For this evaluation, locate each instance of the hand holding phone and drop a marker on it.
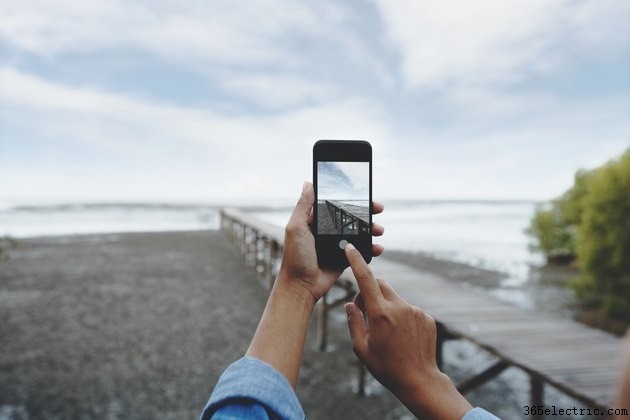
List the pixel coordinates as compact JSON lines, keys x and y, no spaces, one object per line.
{"x":342,"y":177}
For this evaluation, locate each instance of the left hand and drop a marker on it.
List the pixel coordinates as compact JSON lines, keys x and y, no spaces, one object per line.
{"x":300,"y":260}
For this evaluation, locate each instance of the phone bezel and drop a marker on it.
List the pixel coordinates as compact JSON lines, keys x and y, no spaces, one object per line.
{"x":329,"y":255}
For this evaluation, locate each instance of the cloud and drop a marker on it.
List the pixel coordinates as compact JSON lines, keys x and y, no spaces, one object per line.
{"x":279,"y":90}
{"x":231,"y":153}
{"x":262,"y":32}
{"x":448,"y":44}
{"x":459,"y":99}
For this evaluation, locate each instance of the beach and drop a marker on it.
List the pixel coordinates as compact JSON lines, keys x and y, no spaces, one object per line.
{"x":141,"y":325}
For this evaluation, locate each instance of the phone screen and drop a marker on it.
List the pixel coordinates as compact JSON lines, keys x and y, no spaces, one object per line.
{"x":342,"y":176}
{"x":343,"y":198}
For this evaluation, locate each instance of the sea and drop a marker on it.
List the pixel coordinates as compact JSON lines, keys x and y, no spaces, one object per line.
{"x":485,"y":234}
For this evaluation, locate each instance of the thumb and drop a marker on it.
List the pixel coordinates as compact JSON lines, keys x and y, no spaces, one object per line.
{"x":357,"y":327}
{"x":302,"y":210}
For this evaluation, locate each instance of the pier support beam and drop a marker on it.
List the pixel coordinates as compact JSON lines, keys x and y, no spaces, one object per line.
{"x":322,"y":324}
{"x":537,"y":397}
{"x":483,"y":377}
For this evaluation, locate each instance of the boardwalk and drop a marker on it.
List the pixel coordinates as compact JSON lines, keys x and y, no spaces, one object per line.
{"x":337,"y":217}
{"x":579,"y":361}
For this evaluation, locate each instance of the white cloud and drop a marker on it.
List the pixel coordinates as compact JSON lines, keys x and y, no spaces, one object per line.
{"x":447,"y":44}
{"x":491,"y":141}
{"x":222,"y":31}
{"x":238,"y":153}
{"x":279,"y":90}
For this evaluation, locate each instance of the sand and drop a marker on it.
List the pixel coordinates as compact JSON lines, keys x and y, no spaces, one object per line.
{"x":142,"y":325}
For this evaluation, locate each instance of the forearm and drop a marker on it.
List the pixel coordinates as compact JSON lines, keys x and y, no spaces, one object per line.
{"x":279,"y":338}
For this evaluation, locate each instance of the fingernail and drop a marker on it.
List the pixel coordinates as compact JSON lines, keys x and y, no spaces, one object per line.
{"x":304,"y":186}
{"x":347,"y":306}
{"x":349,"y":246}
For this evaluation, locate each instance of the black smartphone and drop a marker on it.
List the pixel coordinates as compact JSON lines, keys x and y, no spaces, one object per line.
{"x":342,"y":177}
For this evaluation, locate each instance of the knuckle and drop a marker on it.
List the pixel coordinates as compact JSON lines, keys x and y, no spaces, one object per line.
{"x":418,"y":312}
{"x":365,"y":272}
{"x":383,"y":316}
{"x":378,"y":313}
{"x":292,"y":228}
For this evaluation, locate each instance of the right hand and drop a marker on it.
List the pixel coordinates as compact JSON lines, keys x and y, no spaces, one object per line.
{"x":397,"y":343}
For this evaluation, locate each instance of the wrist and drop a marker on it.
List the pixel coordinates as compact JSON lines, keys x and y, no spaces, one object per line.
{"x":292,"y":289}
{"x":435,"y":396}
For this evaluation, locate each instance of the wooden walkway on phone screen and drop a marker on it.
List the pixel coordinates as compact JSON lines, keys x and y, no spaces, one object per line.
{"x":581,"y":362}
{"x":345,"y":214}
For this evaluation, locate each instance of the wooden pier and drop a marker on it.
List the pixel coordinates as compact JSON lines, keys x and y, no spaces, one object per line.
{"x":579,"y":361}
{"x":349,"y":216}
{"x":261,"y":244}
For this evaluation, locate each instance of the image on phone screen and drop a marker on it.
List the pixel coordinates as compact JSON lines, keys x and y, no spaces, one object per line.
{"x":343,"y":198}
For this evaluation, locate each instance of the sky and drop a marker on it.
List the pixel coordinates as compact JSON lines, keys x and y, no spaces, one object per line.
{"x":222,"y":101}
{"x":347,"y":181}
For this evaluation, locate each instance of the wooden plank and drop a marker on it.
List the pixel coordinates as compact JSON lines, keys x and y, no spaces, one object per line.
{"x":360,"y":212}
{"x":555,"y":351}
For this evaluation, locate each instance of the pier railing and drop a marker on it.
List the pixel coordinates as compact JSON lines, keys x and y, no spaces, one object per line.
{"x":262,"y":244}
{"x":347,"y":215}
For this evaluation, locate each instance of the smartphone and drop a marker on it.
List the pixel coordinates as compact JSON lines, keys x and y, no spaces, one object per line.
{"x":342,"y":213}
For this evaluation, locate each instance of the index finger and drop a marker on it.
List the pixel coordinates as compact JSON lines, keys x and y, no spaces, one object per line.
{"x":370,"y":290}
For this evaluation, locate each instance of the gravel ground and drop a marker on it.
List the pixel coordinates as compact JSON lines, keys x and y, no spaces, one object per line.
{"x":140,"y":326}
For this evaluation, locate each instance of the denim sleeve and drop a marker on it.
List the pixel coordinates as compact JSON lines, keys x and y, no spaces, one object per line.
{"x":479,"y":414}
{"x":250,"y":388}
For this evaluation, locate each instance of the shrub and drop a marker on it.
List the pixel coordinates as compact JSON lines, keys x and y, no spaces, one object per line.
{"x":554,"y":226}
{"x":553,"y":235}
{"x":591,"y":222}
{"x":604,"y":246}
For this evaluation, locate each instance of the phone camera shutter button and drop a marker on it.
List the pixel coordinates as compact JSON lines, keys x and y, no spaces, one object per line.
{"x":343,"y":243}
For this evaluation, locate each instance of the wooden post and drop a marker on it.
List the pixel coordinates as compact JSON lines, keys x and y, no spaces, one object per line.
{"x":271,"y":258}
{"x":537,"y":397}
{"x":322,"y":324}
{"x":243,"y":241}
{"x":361,"y":378}
{"x":439,"y":345}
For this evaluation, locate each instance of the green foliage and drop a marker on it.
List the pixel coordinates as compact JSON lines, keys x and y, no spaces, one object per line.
{"x":554,"y":226}
{"x":554,"y":236}
{"x":591,"y":221}
{"x":604,"y":246}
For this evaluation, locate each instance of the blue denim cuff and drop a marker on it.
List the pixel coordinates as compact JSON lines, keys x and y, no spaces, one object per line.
{"x":250,"y":381}
{"x":479,"y":414}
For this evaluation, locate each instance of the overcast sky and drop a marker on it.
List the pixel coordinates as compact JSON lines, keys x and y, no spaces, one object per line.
{"x":346,"y":181}
{"x":211,"y":101}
